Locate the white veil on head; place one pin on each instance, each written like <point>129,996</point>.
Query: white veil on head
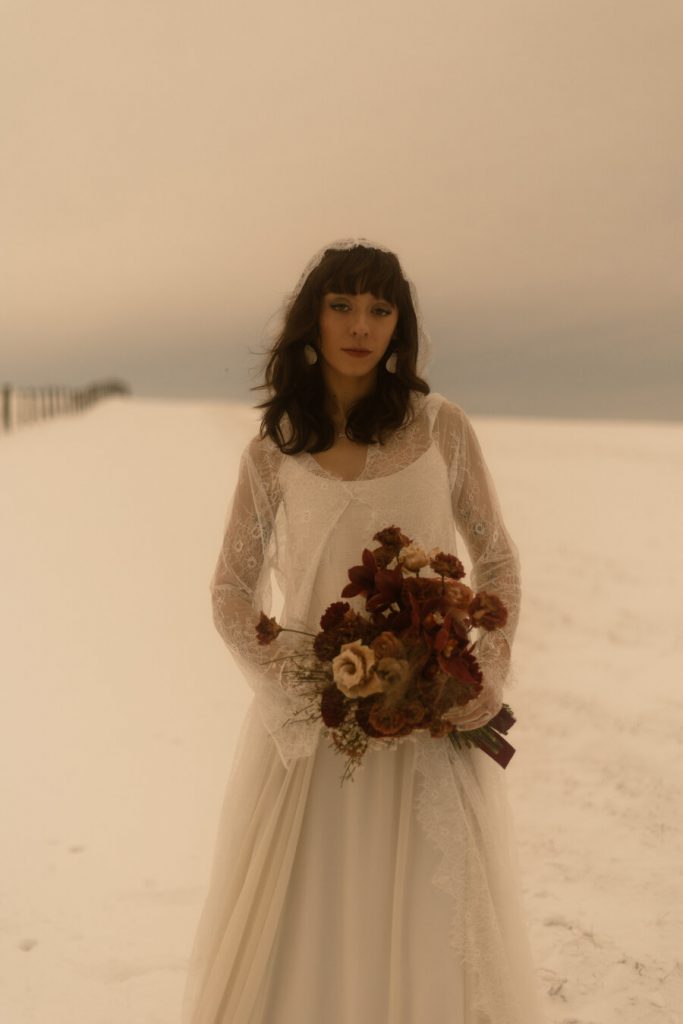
<point>424,346</point>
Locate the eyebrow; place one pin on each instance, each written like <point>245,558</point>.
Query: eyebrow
<point>348,295</point>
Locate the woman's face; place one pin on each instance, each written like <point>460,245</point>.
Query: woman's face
<point>355,332</point>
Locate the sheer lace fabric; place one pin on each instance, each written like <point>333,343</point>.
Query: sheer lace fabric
<point>294,524</point>
<point>265,534</point>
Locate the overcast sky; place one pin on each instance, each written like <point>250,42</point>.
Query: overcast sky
<point>167,169</point>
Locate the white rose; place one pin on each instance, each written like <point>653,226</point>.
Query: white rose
<point>413,557</point>
<point>353,670</point>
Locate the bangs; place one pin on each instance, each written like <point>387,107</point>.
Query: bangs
<point>358,270</point>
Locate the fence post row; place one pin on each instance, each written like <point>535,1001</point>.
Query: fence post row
<point>26,405</point>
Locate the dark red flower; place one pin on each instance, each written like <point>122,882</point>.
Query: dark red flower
<point>388,584</point>
<point>327,645</point>
<point>447,565</point>
<point>387,720</point>
<point>413,712</point>
<point>333,706</point>
<point>334,614</point>
<point>384,555</point>
<point>362,576</point>
<point>461,664</point>
<point>488,611</point>
<point>392,537</point>
<point>267,629</point>
<point>398,620</point>
<point>424,588</point>
<point>363,717</point>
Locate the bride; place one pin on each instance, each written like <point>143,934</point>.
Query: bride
<point>395,897</point>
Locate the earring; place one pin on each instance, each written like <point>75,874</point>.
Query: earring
<point>310,355</point>
<point>390,364</point>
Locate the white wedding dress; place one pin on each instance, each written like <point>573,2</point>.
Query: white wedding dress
<point>394,898</point>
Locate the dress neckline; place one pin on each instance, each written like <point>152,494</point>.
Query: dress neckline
<point>319,470</point>
<point>335,476</point>
<point>308,460</point>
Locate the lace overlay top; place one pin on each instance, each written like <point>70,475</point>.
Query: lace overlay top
<point>289,515</point>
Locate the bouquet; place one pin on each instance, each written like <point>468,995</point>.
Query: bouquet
<point>404,665</point>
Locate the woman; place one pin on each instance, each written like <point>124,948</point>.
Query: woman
<point>395,897</point>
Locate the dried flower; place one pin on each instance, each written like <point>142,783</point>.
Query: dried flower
<point>334,614</point>
<point>333,707</point>
<point>446,565</point>
<point>387,645</point>
<point>488,611</point>
<point>362,576</point>
<point>458,597</point>
<point>384,555</point>
<point>462,665</point>
<point>387,720</point>
<point>413,712</point>
<point>392,538</point>
<point>425,588</point>
<point>352,670</point>
<point>388,584</point>
<point>394,673</point>
<point>413,557</point>
<point>267,629</point>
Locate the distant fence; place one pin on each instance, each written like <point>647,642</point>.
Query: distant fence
<point>25,405</point>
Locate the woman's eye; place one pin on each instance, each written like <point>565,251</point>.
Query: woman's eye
<point>378,309</point>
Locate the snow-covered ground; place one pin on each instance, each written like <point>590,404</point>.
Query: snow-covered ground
<point>120,706</point>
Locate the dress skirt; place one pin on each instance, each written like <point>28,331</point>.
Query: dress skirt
<point>322,906</point>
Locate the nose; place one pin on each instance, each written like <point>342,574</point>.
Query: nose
<point>360,326</point>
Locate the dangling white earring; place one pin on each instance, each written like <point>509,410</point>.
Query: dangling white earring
<point>390,364</point>
<point>310,355</point>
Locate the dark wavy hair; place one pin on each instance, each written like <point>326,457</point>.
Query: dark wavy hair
<point>298,389</point>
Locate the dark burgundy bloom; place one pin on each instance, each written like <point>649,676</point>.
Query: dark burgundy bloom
<point>363,717</point>
<point>488,611</point>
<point>384,555</point>
<point>447,565</point>
<point>267,629</point>
<point>327,645</point>
<point>388,584</point>
<point>334,614</point>
<point>424,588</point>
<point>387,719</point>
<point>397,621</point>
<point>391,537</point>
<point>362,576</point>
<point>333,706</point>
<point>413,712</point>
<point>462,665</point>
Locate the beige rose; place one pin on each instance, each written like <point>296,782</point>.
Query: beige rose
<point>413,557</point>
<point>353,670</point>
<point>458,597</point>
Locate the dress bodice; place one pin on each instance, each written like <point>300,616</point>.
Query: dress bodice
<point>327,521</point>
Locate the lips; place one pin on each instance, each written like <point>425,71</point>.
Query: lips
<point>358,351</point>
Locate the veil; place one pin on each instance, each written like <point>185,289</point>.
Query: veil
<point>424,347</point>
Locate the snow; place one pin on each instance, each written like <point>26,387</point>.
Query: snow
<point>121,707</point>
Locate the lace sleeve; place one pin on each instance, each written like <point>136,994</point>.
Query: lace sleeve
<point>240,589</point>
<point>479,520</point>
<point>240,585</point>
